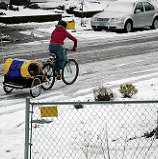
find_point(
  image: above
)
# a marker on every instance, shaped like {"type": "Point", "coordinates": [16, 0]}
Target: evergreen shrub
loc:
{"type": "Point", "coordinates": [127, 90]}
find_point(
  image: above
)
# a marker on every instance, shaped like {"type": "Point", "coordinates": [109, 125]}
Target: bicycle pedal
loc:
{"type": "Point", "coordinates": [58, 78]}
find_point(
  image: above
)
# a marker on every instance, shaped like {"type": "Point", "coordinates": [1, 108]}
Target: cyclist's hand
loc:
{"type": "Point", "coordinates": [73, 49]}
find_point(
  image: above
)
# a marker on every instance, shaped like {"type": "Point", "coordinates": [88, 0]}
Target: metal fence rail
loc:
{"type": "Point", "coordinates": [91, 130]}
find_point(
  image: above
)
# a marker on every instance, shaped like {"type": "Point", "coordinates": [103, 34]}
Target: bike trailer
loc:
{"type": "Point", "coordinates": [20, 73]}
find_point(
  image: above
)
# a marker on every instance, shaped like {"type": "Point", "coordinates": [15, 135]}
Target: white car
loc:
{"type": "Point", "coordinates": [126, 15]}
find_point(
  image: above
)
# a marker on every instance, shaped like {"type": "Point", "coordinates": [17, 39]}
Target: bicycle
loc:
{"type": "Point", "coordinates": [69, 73]}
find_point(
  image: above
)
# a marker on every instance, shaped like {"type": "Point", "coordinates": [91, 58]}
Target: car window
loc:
{"type": "Point", "coordinates": [139, 6]}
{"type": "Point", "coordinates": [148, 6]}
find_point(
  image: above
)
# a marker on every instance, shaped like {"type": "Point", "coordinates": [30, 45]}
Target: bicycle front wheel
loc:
{"type": "Point", "coordinates": [50, 78]}
{"type": "Point", "coordinates": [70, 72]}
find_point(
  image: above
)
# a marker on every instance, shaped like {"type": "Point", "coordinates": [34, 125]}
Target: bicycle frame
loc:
{"type": "Point", "coordinates": [52, 60]}
{"type": "Point", "coordinates": [68, 74]}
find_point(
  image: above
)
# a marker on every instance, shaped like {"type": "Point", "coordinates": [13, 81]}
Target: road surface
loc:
{"type": "Point", "coordinates": [100, 61]}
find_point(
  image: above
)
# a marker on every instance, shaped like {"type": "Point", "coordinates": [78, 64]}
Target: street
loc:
{"type": "Point", "coordinates": [116, 59]}
{"type": "Point", "coordinates": [113, 60]}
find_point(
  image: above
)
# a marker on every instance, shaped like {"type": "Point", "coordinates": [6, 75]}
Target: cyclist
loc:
{"type": "Point", "coordinates": [56, 45]}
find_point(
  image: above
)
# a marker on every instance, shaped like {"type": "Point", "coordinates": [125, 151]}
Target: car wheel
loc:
{"type": "Point", "coordinates": [155, 24]}
{"type": "Point", "coordinates": [128, 27]}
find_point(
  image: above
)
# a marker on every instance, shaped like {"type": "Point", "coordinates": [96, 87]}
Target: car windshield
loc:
{"type": "Point", "coordinates": [120, 7]}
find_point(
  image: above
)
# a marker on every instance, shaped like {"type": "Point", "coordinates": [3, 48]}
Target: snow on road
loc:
{"type": "Point", "coordinates": [140, 70]}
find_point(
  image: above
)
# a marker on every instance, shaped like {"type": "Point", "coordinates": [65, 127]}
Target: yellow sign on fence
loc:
{"type": "Point", "coordinates": [50, 111]}
{"type": "Point", "coordinates": [70, 24]}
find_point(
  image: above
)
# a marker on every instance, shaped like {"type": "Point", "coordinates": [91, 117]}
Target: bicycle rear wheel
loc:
{"type": "Point", "coordinates": [50, 78]}
{"type": "Point", "coordinates": [36, 88]}
{"type": "Point", "coordinates": [70, 72]}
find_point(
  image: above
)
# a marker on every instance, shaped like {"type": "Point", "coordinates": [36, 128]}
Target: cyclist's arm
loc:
{"type": "Point", "coordinates": [68, 35]}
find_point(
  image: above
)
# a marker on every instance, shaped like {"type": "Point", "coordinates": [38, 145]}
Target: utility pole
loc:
{"type": "Point", "coordinates": [2, 47]}
{"type": "Point", "coordinates": [82, 3]}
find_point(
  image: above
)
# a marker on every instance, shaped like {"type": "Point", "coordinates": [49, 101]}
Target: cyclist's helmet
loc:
{"type": "Point", "coordinates": [62, 23]}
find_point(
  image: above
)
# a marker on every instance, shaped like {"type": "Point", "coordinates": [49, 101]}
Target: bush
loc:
{"type": "Point", "coordinates": [61, 7]}
{"type": "Point", "coordinates": [70, 10]}
{"type": "Point", "coordinates": [1, 13]}
{"type": "Point", "coordinates": [13, 8]}
{"type": "Point", "coordinates": [127, 90]}
{"type": "Point", "coordinates": [3, 6]}
{"type": "Point", "coordinates": [32, 6]}
{"type": "Point", "coordinates": [103, 94]}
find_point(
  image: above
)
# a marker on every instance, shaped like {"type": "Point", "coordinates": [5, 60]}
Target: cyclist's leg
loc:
{"type": "Point", "coordinates": [52, 48]}
{"type": "Point", "coordinates": [61, 57]}
{"type": "Point", "coordinates": [60, 60]}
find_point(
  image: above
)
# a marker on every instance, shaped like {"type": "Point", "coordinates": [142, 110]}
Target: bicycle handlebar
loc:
{"type": "Point", "coordinates": [68, 49]}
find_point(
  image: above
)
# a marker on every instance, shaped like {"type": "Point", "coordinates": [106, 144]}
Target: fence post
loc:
{"type": "Point", "coordinates": [27, 121]}
{"type": "Point", "coordinates": [2, 47]}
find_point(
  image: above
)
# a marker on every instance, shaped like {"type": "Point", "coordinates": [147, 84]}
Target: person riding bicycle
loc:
{"type": "Point", "coordinates": [56, 45]}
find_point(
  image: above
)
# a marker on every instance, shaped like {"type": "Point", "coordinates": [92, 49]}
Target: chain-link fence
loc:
{"type": "Point", "coordinates": [92, 130]}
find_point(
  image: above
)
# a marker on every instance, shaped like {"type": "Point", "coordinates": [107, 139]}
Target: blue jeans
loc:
{"type": "Point", "coordinates": [59, 51]}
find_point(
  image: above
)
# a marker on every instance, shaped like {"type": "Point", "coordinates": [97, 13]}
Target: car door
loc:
{"type": "Point", "coordinates": [149, 12]}
{"type": "Point", "coordinates": [138, 15]}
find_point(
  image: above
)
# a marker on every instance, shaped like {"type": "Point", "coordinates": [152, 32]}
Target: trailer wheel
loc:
{"type": "Point", "coordinates": [7, 89]}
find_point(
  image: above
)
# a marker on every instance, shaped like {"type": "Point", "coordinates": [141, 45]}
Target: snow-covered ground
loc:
{"type": "Point", "coordinates": [12, 111]}
{"type": "Point", "coordinates": [53, 4]}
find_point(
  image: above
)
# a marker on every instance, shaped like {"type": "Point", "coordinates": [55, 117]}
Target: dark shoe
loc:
{"type": "Point", "coordinates": [58, 75]}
